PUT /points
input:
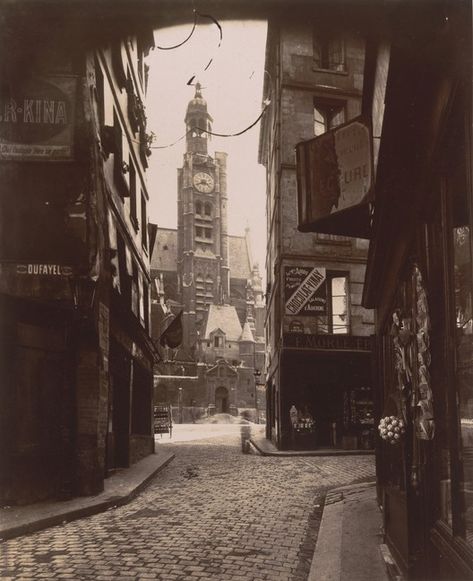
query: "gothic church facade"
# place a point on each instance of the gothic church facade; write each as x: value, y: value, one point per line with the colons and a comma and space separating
x: 210, y: 275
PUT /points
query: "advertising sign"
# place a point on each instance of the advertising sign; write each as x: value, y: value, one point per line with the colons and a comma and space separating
x: 37, y: 119
x: 34, y: 268
x: 334, y: 173
x: 305, y: 290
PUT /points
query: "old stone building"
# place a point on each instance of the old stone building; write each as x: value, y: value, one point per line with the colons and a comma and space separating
x: 317, y: 332
x: 76, y: 356
x: 210, y: 276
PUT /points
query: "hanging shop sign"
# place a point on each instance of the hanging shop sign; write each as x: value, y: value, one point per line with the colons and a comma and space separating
x: 312, y: 342
x: 37, y: 119
x: 305, y: 290
x: 335, y: 180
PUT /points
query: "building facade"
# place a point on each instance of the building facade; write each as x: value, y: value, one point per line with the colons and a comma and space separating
x: 419, y: 280
x: 417, y: 103
x: 210, y: 276
x: 317, y: 332
x: 76, y: 351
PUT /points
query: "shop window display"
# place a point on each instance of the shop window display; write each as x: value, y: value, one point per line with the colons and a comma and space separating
x: 462, y: 283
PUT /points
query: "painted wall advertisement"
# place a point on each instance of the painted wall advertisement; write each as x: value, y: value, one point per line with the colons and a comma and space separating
x: 305, y: 290
x: 37, y: 119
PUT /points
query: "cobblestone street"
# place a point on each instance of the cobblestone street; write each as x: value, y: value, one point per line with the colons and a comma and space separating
x: 213, y: 513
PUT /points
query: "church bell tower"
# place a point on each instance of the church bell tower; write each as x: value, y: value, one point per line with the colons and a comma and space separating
x: 203, y: 266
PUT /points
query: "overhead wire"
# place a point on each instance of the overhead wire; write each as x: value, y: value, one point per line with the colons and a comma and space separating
x: 266, y: 103
x: 196, y: 17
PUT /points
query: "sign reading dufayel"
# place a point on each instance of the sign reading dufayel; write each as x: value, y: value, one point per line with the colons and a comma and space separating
x: 37, y: 119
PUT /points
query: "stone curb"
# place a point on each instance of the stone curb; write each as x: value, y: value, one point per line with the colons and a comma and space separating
x: 288, y: 453
x: 94, y: 506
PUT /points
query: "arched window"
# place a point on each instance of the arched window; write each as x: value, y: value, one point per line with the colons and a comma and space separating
x: 193, y: 127
x: 208, y: 209
x: 198, y: 207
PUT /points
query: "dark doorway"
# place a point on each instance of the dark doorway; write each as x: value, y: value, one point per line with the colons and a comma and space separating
x: 120, y: 408
x: 221, y: 400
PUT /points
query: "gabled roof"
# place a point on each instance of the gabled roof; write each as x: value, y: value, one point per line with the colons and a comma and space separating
x: 225, y: 318
x: 164, y: 257
x: 222, y: 363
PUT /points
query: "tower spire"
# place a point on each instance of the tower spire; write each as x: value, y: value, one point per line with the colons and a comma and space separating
x: 198, y: 122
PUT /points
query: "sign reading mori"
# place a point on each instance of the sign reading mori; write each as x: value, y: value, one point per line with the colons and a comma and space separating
x: 305, y: 290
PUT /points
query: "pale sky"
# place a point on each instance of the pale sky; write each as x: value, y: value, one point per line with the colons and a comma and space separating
x: 233, y: 87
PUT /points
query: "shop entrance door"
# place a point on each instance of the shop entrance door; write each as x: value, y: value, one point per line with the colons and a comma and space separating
x: 328, y: 410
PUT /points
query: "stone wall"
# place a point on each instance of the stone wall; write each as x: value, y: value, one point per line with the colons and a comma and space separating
x: 140, y: 447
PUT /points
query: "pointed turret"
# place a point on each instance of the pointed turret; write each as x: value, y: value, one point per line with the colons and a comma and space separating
x: 198, y: 123
x: 247, y: 333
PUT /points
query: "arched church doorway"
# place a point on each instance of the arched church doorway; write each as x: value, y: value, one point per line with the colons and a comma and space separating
x: 221, y: 400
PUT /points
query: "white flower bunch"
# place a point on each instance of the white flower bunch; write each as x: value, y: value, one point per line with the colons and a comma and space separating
x: 391, y: 429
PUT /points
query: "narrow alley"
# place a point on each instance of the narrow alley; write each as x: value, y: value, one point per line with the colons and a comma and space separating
x: 212, y: 513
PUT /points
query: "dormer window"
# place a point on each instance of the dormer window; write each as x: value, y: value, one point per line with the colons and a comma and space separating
x: 218, y: 341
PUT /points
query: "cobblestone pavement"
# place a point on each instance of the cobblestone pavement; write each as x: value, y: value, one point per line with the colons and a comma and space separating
x: 213, y: 513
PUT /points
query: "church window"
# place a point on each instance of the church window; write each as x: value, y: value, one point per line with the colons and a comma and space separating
x: 198, y: 231
x: 208, y: 233
x: 198, y: 208
x: 208, y: 209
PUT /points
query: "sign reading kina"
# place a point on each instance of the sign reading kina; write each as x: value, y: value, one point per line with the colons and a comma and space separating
x: 37, y: 119
x: 305, y: 290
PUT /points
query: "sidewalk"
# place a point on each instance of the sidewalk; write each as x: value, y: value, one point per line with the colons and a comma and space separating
x: 266, y: 448
x: 349, y: 543
x: 119, y: 489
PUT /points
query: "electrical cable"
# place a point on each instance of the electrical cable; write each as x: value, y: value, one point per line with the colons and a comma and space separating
x: 196, y: 17
x: 266, y: 104
x: 215, y: 134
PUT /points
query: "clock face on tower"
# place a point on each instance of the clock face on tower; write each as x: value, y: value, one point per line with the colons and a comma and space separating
x: 203, y: 182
